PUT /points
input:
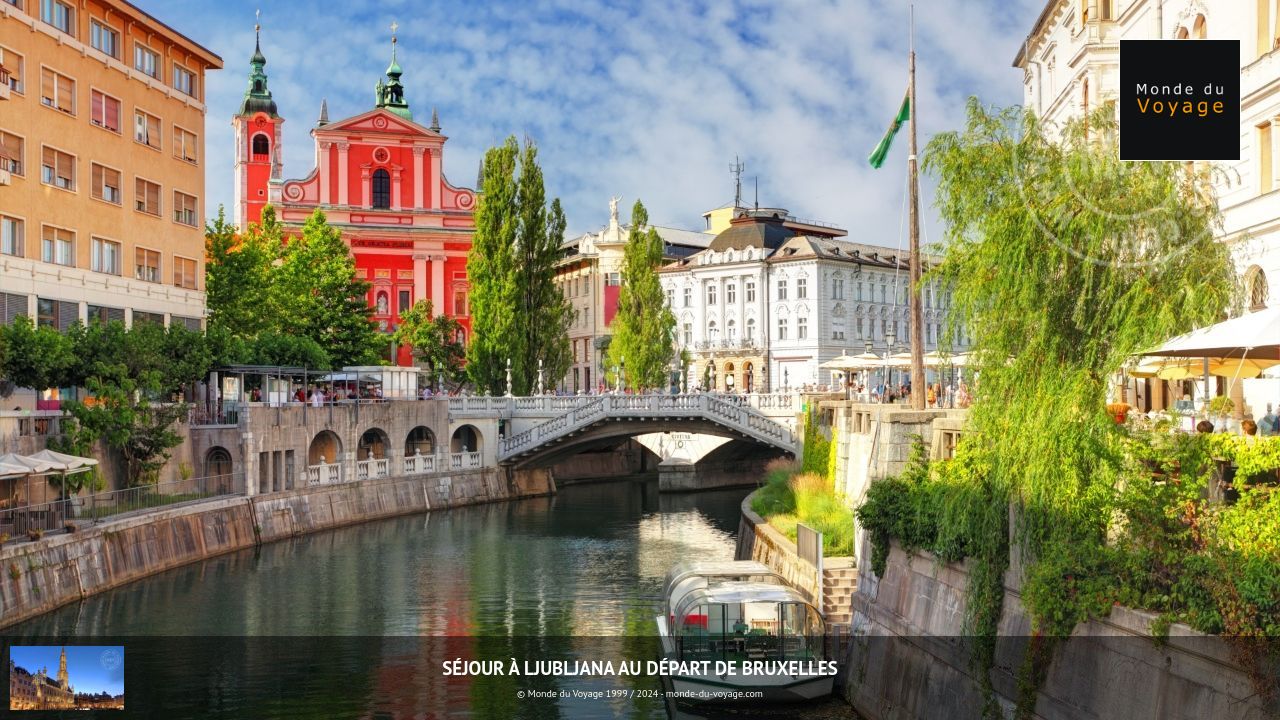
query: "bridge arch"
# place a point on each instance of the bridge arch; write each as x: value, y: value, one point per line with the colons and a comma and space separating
x: 466, y: 438
x: 420, y: 440
x: 326, y: 447
x: 374, y: 444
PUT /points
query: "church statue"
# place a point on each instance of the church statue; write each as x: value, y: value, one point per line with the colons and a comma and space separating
x: 613, y: 209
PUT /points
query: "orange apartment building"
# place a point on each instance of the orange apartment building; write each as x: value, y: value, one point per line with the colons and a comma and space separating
x: 101, y: 165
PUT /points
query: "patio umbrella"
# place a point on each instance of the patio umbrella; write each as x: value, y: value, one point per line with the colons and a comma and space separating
x: 1254, y: 335
x: 1240, y: 367
x: 34, y: 466
x: 861, y: 361
x: 65, y: 463
x: 897, y: 360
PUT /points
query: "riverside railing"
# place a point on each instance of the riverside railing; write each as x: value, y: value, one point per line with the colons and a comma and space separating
x: 17, y: 520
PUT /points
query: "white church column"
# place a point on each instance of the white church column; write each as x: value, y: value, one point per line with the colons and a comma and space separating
x: 324, y: 172
x: 342, y: 173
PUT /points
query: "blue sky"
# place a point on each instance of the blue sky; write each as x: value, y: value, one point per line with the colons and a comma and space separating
x: 640, y: 99
x: 88, y: 669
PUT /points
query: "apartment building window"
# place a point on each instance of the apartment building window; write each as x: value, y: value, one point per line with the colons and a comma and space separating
x: 688, y: 297
x: 1266, y: 175
x: 16, y: 65
x: 57, y: 246
x: 10, y: 236
x: 103, y: 314
x: 104, y: 111
x: 11, y: 147
x: 147, y: 197
x: 751, y: 291
x: 782, y: 328
x: 104, y: 38
x: 802, y: 328
x: 184, y: 144
x: 460, y: 302
x: 147, y: 317
x: 613, y: 279
x: 57, y: 314
x: 146, y: 61
x: 146, y: 264
x: 782, y: 289
x: 802, y: 288
x: 11, y: 306
x: 730, y: 294
x: 104, y: 256
x: 837, y: 288
x: 711, y: 294
x: 57, y: 91
x: 106, y: 183
x: 406, y: 300
x: 146, y: 128
x: 861, y: 327
x: 58, y: 169
x: 751, y: 330
x: 184, y: 208
x: 671, y: 297
x: 688, y: 333
x: 59, y: 15
x: 184, y: 272
x: 859, y: 291
x: 184, y: 81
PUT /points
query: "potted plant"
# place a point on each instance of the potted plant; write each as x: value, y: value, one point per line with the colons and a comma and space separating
x: 1219, y: 408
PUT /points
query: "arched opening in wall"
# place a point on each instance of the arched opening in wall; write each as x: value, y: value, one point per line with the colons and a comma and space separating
x: 420, y: 441
x: 466, y: 439
x: 381, y: 188
x: 382, y: 303
x: 728, y: 377
x: 1199, y: 29
x: 1182, y: 34
x: 749, y: 377
x: 1256, y: 281
x: 218, y: 463
x: 325, y: 449
x: 261, y: 145
x: 373, y: 445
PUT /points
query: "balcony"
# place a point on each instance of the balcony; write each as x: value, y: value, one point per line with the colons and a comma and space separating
x: 740, y: 345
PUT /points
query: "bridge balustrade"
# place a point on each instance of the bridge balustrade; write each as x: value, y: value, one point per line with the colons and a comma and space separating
x: 324, y: 474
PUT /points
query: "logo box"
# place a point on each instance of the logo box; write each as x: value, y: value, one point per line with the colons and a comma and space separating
x: 1179, y: 99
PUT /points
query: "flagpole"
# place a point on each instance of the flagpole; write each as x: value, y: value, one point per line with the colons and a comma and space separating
x: 917, y: 320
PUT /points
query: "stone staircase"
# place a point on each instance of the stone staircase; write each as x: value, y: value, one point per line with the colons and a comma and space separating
x: 839, y: 580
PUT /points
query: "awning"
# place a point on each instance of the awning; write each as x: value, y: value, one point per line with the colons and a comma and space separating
x: 1254, y: 335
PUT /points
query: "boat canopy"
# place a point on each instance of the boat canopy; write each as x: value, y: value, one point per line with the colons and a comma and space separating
x: 689, y: 575
x: 735, y: 593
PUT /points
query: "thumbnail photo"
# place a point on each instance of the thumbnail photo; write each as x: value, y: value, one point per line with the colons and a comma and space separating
x: 87, y: 677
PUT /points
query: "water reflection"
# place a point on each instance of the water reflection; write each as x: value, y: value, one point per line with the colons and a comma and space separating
x: 356, y: 622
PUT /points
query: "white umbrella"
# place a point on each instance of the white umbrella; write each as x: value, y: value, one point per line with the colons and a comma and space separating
x: 13, y: 470
x: 34, y: 466
x: 854, y: 362
x: 1254, y: 335
x: 896, y: 360
x: 65, y: 463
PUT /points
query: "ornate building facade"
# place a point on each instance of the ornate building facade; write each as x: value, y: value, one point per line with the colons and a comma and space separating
x: 1070, y: 64
x: 589, y: 274
x: 773, y: 297
x: 379, y: 179
x: 39, y: 691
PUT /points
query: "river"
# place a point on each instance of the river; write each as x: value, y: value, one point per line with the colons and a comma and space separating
x: 359, y: 622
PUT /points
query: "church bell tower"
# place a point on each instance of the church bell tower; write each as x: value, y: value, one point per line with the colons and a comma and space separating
x: 258, y: 135
x: 63, y: 681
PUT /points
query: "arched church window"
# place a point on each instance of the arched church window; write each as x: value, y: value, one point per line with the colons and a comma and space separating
x: 1256, y: 281
x: 381, y: 188
x: 261, y: 146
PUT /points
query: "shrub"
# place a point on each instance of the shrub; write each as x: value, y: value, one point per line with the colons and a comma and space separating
x: 790, y: 497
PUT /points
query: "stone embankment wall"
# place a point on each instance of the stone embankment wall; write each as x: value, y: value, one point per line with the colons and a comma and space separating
x: 910, y: 659
x: 64, y: 567
x: 757, y: 540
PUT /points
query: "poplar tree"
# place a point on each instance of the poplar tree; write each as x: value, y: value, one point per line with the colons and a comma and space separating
x: 238, y: 274
x: 643, y: 324
x: 517, y: 312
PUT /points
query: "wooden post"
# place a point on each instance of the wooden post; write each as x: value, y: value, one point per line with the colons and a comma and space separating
x: 917, y: 318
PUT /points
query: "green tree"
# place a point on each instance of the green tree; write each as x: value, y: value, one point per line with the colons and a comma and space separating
x: 35, y: 357
x: 543, y: 313
x: 238, y: 274
x: 517, y: 312
x: 643, y: 326
x: 434, y: 339
x: 140, y: 431
x: 272, y: 348
x: 317, y: 295
x: 489, y: 269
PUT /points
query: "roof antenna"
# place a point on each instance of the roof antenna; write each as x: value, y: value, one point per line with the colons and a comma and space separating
x: 757, y: 181
x: 736, y: 168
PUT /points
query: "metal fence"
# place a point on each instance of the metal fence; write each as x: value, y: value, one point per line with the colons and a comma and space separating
x: 81, y: 509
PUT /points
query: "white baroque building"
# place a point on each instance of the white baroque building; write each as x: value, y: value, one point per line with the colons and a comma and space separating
x: 772, y: 298
x: 1071, y: 64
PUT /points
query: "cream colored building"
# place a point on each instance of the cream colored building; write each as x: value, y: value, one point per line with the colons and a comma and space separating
x: 102, y: 205
x: 1070, y: 65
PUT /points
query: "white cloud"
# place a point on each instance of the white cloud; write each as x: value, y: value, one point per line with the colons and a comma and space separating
x: 650, y: 100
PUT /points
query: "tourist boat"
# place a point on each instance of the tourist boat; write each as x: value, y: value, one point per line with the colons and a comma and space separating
x: 732, y: 627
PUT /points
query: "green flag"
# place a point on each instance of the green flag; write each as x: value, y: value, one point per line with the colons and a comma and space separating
x: 904, y: 114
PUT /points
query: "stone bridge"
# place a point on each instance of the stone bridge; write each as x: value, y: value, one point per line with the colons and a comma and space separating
x: 581, y: 422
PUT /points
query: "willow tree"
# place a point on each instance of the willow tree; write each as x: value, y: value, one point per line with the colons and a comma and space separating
x: 1063, y: 262
x: 643, y: 324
